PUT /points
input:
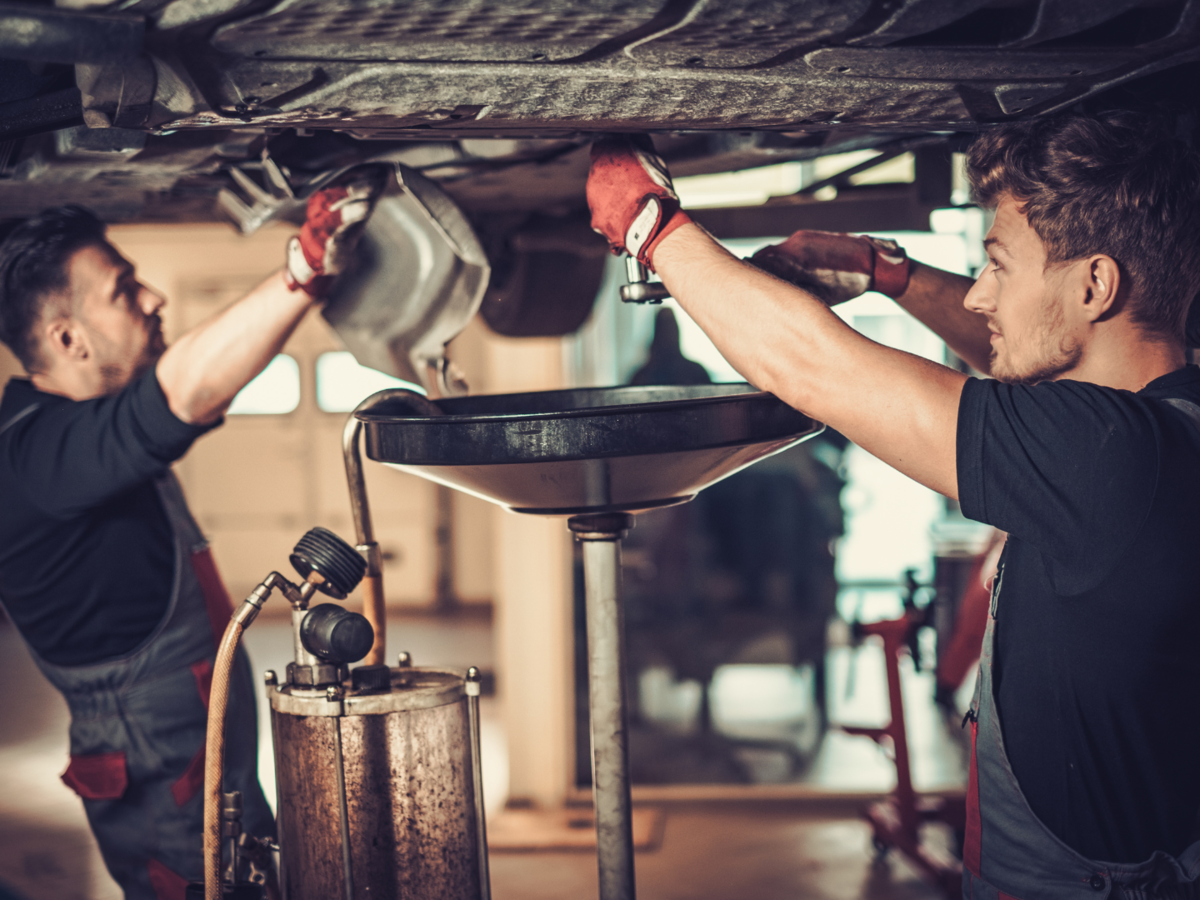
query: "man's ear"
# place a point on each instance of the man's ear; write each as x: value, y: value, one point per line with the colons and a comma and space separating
x: 1102, y: 284
x: 65, y: 341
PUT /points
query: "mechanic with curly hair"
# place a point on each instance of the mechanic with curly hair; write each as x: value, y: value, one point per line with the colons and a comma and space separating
x: 102, y: 568
x: 1084, y: 445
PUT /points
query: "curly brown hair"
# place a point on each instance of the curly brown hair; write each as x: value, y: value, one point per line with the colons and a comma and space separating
x: 1118, y: 183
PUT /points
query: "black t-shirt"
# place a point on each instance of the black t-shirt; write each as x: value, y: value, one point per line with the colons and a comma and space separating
x: 87, y: 557
x: 1097, y: 662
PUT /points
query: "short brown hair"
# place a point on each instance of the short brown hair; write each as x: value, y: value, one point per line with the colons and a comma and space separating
x: 33, y: 266
x: 1117, y: 183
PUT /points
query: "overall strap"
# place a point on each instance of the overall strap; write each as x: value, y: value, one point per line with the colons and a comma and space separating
x: 175, y: 505
x: 183, y: 635
x: 200, y: 566
x: 1190, y: 410
x: 4, y: 426
x: 1010, y: 851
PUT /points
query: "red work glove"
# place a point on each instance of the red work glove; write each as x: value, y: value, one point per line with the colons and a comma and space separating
x: 336, y: 216
x: 837, y: 267
x: 631, y: 198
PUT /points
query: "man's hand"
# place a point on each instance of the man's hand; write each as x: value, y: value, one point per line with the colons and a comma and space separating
x: 630, y: 195
x: 336, y: 216
x: 837, y: 267
x: 202, y: 372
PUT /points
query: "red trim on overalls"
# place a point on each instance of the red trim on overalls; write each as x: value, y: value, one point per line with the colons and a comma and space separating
x: 216, y: 598
x: 972, y: 843
x: 97, y: 776
x: 189, y: 783
x: 167, y: 884
x: 202, y: 671
x: 220, y: 609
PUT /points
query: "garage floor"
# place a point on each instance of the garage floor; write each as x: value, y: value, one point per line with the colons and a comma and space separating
x: 718, y: 851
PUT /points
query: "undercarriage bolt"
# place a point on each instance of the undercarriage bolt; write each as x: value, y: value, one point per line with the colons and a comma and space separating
x: 270, y: 678
x: 404, y: 659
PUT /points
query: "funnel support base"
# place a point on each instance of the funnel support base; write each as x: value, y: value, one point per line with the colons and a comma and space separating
x: 600, y: 536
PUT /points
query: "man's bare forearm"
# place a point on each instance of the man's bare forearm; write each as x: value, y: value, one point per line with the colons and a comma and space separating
x: 935, y: 297
x: 899, y: 407
x: 203, y: 370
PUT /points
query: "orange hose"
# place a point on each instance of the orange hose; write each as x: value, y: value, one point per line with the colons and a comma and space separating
x: 214, y: 755
x: 214, y: 745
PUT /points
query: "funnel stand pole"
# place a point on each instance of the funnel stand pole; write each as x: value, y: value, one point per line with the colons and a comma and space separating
x: 600, y: 534
x: 373, y: 603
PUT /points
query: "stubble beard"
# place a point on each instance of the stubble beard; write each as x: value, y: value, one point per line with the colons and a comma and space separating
x: 115, y: 375
x: 155, y: 346
x: 1054, y: 352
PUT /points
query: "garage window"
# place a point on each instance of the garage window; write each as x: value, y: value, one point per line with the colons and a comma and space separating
x: 275, y: 392
x: 342, y: 383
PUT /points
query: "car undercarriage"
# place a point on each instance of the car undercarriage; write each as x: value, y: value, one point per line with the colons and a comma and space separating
x: 149, y: 110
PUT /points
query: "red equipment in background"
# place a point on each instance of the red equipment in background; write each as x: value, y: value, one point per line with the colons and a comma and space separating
x: 896, y: 822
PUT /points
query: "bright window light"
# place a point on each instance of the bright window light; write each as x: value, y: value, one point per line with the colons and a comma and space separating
x: 342, y: 383
x: 831, y: 164
x: 889, y: 517
x: 898, y: 169
x: 759, y: 693
x: 275, y: 392
x: 748, y: 187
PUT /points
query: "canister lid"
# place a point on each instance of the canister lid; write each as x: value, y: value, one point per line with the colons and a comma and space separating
x: 412, y: 688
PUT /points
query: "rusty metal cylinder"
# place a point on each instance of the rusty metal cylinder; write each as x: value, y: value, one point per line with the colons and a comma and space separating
x: 410, y: 805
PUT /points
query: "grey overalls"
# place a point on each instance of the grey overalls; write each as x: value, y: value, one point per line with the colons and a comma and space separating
x: 1009, y: 853
x: 138, y: 728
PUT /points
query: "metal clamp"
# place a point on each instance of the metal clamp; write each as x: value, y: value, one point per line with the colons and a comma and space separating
x: 231, y: 830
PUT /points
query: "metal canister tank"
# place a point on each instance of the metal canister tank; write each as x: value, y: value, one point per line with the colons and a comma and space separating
x: 379, y: 787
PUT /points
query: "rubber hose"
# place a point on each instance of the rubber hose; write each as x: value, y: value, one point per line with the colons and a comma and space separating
x: 214, y: 744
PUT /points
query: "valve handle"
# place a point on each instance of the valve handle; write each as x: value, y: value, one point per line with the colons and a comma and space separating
x: 340, y: 566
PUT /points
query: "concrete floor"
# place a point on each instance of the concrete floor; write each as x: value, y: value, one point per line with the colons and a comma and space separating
x: 707, y: 851
x: 729, y: 853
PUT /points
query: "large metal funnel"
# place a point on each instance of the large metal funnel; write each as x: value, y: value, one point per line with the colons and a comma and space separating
x: 419, y: 277
x: 595, y: 455
x: 583, y: 451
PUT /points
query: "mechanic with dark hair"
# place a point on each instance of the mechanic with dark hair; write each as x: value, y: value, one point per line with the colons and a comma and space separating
x: 1084, y: 446
x: 102, y: 568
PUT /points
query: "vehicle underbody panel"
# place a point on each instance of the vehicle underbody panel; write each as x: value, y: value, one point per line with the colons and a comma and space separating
x: 140, y: 108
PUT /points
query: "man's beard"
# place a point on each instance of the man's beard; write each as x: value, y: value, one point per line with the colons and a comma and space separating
x: 1055, y: 352
x: 114, y: 376
x: 156, y: 345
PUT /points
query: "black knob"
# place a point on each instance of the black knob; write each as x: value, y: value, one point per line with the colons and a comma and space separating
x: 336, y: 635
x: 337, y: 562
